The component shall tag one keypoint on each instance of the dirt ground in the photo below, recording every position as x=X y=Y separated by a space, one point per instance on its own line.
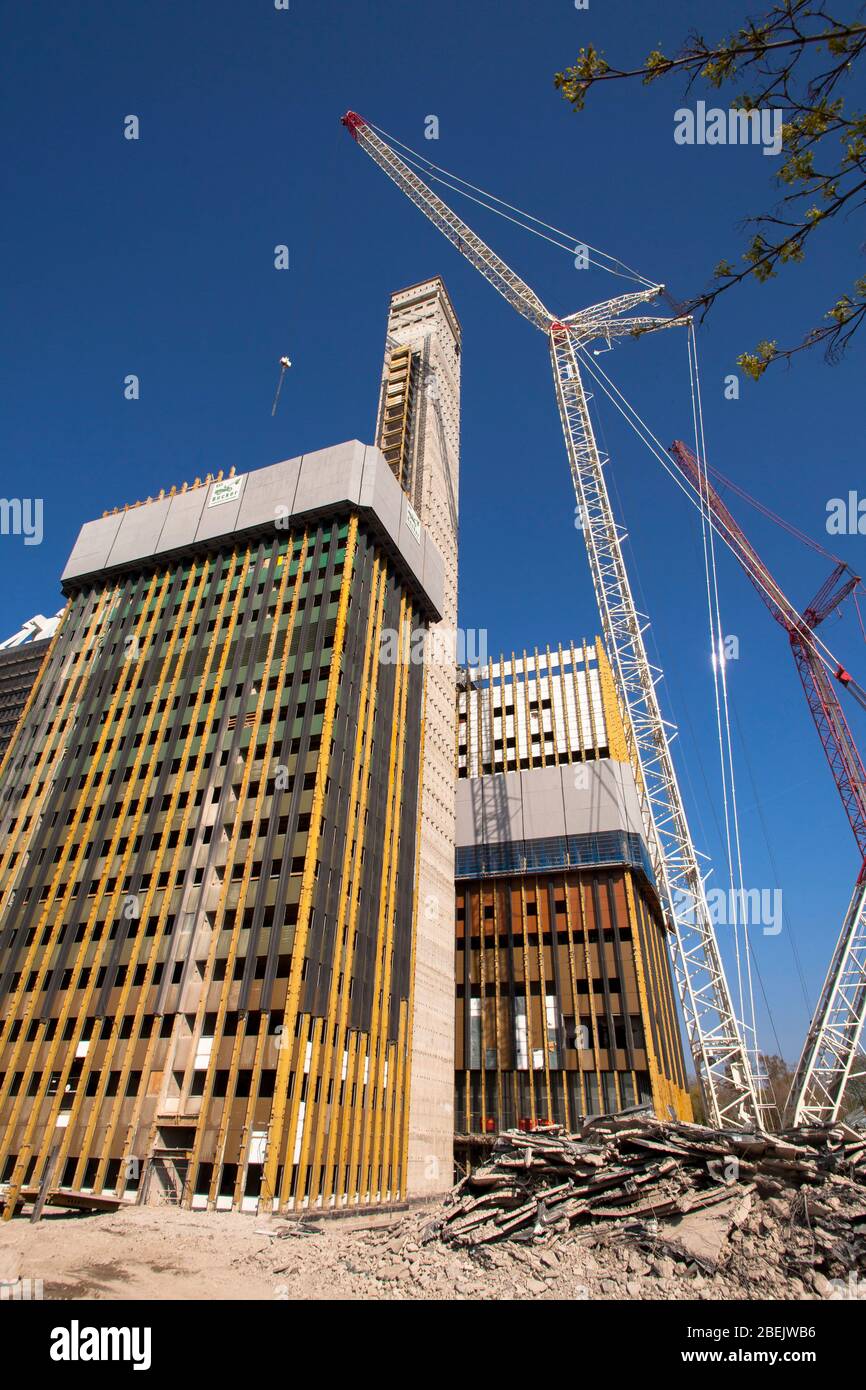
x=167 y=1253
x=629 y=1208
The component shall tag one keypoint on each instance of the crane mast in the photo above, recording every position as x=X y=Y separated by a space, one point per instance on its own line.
x=714 y=1035
x=833 y=1039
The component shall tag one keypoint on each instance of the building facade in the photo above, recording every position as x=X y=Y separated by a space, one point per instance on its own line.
x=209 y=833
x=21 y=658
x=565 y=1002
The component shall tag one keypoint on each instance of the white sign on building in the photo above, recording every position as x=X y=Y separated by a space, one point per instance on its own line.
x=229 y=490
x=413 y=521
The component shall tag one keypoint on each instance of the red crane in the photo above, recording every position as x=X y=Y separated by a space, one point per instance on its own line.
x=834 y=1034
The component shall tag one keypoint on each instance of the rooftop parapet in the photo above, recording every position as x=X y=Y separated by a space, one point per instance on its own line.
x=344 y=478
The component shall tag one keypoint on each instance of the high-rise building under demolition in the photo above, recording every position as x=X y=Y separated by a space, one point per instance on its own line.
x=210 y=824
x=565 y=1005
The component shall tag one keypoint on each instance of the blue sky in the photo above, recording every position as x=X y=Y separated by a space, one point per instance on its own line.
x=155 y=257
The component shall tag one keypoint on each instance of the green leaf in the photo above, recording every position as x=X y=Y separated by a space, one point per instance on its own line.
x=842 y=310
x=754 y=364
x=576 y=81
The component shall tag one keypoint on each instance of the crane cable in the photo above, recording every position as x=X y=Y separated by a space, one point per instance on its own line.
x=651 y=442
x=635 y=570
x=441 y=176
x=774 y=516
x=791 y=933
x=657 y=449
x=717 y=651
x=720 y=684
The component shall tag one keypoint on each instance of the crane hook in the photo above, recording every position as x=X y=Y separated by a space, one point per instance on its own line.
x=285 y=363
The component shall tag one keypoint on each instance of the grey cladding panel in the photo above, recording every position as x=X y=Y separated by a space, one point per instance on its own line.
x=329 y=476
x=93 y=546
x=434 y=573
x=182 y=521
x=489 y=809
x=139 y=533
x=381 y=492
x=599 y=801
x=269 y=493
x=543 y=813
x=411 y=538
x=572 y=799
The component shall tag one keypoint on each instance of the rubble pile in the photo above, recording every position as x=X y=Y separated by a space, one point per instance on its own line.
x=713 y=1198
x=627 y=1208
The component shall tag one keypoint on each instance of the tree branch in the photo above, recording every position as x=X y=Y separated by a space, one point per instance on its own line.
x=776 y=47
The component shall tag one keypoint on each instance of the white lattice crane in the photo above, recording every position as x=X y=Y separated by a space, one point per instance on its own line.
x=714 y=1035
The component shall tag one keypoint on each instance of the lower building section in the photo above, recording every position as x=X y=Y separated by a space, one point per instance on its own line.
x=564 y=999
x=19 y=667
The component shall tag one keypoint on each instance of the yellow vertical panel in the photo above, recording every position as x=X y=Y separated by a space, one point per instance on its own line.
x=578 y=715
x=616 y=739
x=349 y=1044
x=338 y=1002
x=237 y=927
x=249 y=1115
x=657 y=1085
x=173 y=663
x=276 y=1135
x=164 y=912
x=64 y=875
x=385 y=934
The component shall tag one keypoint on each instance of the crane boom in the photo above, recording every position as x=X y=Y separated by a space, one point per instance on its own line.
x=491 y=266
x=714 y=1034
x=835 y=734
x=833 y=1039
x=836 y=587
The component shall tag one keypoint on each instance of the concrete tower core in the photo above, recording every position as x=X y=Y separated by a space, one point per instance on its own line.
x=419 y=434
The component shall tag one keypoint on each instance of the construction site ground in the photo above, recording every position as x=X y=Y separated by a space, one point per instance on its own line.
x=168 y=1253
x=629 y=1208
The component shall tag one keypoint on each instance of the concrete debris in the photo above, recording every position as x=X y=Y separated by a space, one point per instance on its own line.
x=628 y=1208
x=287 y=1229
x=677 y=1191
